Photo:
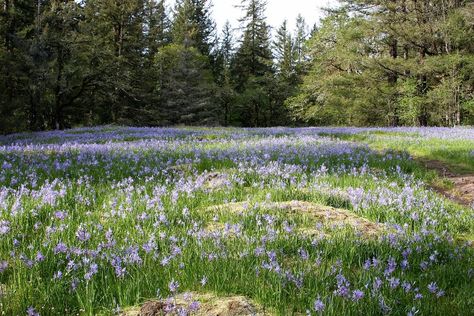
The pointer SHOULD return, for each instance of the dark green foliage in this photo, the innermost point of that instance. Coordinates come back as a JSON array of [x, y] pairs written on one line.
[[252, 67], [389, 62], [254, 56], [66, 63], [226, 95], [186, 87]]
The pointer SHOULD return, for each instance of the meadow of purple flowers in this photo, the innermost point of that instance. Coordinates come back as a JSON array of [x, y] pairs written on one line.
[[95, 221]]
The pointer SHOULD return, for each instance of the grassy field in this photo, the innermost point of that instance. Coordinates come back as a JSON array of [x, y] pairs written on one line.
[[456, 153], [300, 221]]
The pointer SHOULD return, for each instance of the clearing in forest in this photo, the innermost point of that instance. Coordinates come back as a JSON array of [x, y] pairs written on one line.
[[214, 221]]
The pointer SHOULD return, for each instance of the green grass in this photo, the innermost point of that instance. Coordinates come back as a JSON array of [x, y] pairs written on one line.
[[457, 155], [129, 193]]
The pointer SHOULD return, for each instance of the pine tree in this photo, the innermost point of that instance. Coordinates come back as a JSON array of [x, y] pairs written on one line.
[[117, 26], [186, 74], [193, 25], [186, 88], [286, 78], [224, 58], [301, 36], [284, 53], [253, 66], [254, 56], [16, 18], [157, 27]]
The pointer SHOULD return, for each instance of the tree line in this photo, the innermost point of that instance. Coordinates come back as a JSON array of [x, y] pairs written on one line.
[[139, 62], [391, 62]]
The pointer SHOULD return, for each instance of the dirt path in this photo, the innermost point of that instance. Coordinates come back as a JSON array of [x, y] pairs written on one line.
[[462, 191]]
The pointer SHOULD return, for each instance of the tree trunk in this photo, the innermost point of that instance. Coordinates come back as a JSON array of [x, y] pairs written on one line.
[[422, 90]]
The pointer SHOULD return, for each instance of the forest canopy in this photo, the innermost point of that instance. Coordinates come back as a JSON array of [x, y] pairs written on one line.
[[140, 62]]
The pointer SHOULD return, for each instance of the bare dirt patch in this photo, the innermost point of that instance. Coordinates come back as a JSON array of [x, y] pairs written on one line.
[[186, 167], [462, 190], [199, 305], [214, 180], [321, 213], [220, 229]]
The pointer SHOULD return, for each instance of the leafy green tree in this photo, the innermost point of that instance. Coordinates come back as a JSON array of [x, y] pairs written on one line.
[[386, 62], [16, 19], [334, 89]]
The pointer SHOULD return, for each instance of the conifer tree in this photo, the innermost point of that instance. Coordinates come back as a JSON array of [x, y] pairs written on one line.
[[253, 66], [157, 27], [118, 26], [193, 25], [300, 43], [284, 53], [254, 56], [224, 58], [186, 87]]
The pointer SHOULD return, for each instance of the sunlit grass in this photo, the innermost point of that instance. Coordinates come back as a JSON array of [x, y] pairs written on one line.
[[85, 230]]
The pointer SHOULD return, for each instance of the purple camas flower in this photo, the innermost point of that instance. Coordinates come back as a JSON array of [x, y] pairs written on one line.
[[57, 275], [74, 284], [406, 286], [377, 284], [60, 248], [367, 264], [303, 254], [93, 269], [394, 283], [194, 306], [433, 287], [31, 311], [82, 234], [4, 227], [375, 262], [39, 257], [342, 290], [418, 296], [3, 266], [357, 295], [318, 305], [391, 266], [60, 215], [404, 264], [173, 286], [165, 261], [259, 251], [424, 265], [176, 251]]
